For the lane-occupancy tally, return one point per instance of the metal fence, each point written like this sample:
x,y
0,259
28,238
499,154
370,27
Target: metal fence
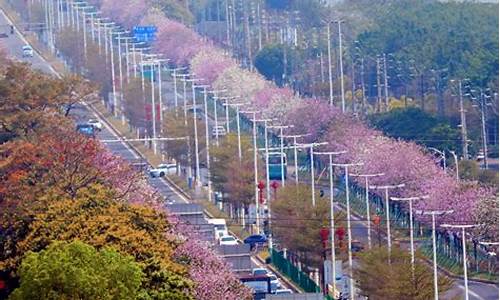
x,y
293,273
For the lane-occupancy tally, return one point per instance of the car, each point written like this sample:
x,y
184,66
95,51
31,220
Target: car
x,y
480,156
96,123
4,35
283,291
357,246
259,272
255,239
27,51
162,170
227,240
218,131
275,284
86,129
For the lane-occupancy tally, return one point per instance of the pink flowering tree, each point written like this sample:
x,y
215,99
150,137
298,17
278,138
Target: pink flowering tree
x,y
212,277
126,12
239,82
177,42
209,63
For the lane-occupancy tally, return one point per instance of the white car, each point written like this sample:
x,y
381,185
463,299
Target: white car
x,y
219,131
228,240
163,169
96,123
27,51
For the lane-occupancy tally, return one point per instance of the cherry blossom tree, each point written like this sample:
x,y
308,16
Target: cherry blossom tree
x,y
209,63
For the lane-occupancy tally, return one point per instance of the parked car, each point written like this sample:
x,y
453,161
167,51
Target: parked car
x,y
218,131
96,123
162,170
228,240
255,239
259,272
27,51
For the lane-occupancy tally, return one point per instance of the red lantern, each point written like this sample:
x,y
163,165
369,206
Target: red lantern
x,y
340,233
275,185
324,234
376,220
261,185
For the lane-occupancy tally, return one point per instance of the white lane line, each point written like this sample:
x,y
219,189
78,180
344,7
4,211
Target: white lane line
x,y
471,292
18,33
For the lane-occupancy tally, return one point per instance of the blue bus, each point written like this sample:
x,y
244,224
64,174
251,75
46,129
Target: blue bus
x,y
275,160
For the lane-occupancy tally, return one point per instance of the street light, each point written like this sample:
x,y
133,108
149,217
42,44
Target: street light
x,y
311,149
349,232
433,214
294,137
332,215
386,188
215,97
367,202
256,178
282,161
464,252
410,202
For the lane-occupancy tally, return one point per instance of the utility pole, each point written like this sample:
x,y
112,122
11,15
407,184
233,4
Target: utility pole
x,y
482,99
379,90
349,232
463,123
330,75
363,91
386,87
353,87
341,68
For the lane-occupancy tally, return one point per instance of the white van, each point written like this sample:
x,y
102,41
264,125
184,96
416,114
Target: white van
x,y
220,227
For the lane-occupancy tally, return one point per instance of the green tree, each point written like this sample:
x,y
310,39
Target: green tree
x,y
270,62
297,223
176,125
413,124
232,177
78,271
379,279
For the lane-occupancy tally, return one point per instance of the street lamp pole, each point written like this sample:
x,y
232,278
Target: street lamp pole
x,y
339,22
464,252
332,215
256,178
215,97
238,130
282,161
311,149
330,75
410,202
367,201
386,188
349,232
294,137
207,141
433,214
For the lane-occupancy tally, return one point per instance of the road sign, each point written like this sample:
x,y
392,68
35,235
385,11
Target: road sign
x,y
145,33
